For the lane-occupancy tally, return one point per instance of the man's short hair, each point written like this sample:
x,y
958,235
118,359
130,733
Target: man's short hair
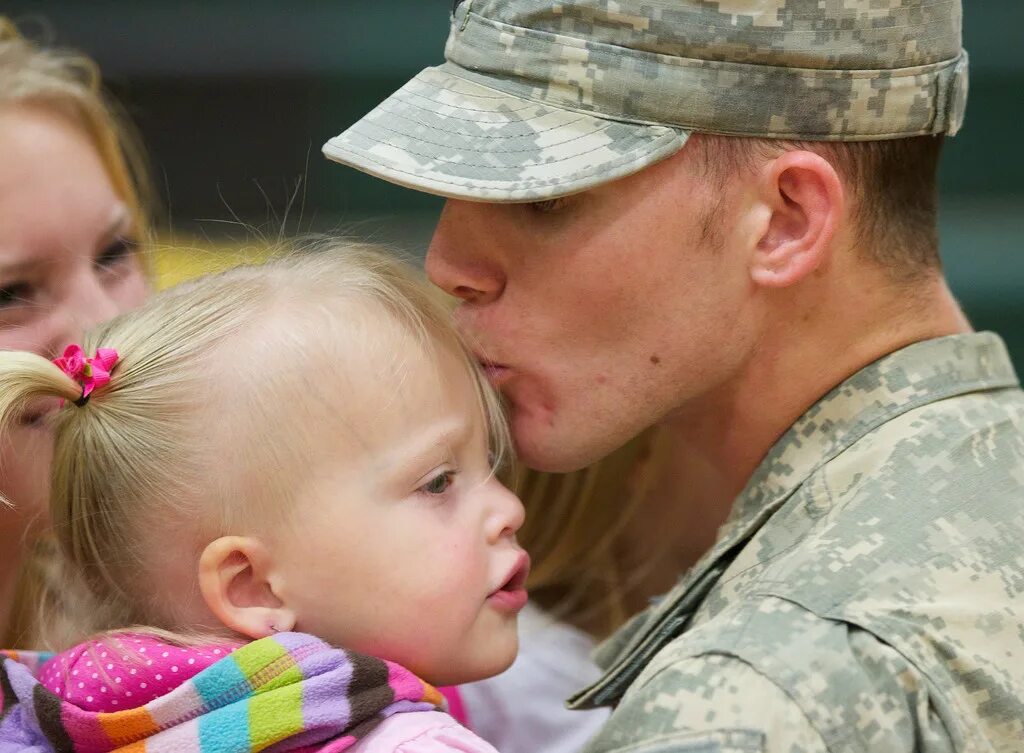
x,y
893,184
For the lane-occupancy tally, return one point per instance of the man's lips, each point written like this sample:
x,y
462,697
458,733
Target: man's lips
x,y
497,373
511,595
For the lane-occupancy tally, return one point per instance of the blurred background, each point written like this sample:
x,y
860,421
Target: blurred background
x,y
234,99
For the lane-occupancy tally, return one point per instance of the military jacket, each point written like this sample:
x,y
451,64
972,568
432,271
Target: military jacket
x,y
867,592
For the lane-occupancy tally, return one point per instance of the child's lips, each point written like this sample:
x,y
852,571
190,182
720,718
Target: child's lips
x,y
511,596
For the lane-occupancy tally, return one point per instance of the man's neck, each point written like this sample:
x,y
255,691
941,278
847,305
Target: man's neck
x,y
732,428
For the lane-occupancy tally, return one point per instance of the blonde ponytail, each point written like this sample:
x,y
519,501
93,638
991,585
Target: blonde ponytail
x,y
27,378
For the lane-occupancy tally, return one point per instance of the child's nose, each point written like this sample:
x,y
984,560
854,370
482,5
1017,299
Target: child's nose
x,y
507,515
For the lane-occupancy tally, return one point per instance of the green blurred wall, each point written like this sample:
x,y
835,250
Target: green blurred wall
x,y
234,99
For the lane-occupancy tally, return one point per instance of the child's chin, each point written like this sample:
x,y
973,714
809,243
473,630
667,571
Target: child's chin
x,y
480,668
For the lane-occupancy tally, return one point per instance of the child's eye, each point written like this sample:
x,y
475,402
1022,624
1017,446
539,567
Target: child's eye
x,y
438,484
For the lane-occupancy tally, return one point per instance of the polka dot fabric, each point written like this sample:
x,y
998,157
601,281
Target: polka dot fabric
x,y
125,671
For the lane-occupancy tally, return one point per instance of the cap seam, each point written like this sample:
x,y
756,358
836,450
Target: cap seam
x,y
638,122
680,61
606,125
477,164
502,95
537,182
809,136
532,104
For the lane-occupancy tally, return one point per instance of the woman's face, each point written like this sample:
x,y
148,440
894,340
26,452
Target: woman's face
x,y
67,240
67,262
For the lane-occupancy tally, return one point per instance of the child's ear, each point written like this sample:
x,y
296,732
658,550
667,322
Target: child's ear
x,y
235,580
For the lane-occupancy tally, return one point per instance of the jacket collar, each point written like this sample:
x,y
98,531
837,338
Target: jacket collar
x,y
914,376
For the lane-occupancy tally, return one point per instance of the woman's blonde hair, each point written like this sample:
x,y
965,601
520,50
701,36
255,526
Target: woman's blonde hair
x,y
260,345
584,566
69,84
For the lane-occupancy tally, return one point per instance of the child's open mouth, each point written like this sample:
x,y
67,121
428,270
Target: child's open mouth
x,y
511,595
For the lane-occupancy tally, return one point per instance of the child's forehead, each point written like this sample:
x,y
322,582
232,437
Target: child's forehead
x,y
333,400
366,368
421,405
407,378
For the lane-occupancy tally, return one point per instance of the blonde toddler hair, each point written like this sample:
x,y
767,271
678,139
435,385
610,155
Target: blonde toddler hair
x,y
138,451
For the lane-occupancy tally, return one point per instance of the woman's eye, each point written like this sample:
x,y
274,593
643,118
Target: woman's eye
x,y
439,484
15,294
116,253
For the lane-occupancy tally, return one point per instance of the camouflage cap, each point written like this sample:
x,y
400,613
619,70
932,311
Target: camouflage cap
x,y
544,98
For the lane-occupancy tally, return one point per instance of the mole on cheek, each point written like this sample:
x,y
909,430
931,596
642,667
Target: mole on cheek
x,y
655,360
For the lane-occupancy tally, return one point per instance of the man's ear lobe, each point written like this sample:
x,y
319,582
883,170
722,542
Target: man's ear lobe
x,y
805,196
234,579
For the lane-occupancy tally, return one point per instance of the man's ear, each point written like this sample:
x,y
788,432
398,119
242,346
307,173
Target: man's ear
x,y
805,200
236,582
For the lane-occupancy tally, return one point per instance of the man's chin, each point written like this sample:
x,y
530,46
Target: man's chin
x,y
543,449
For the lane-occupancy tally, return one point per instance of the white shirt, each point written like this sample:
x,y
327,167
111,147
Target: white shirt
x,y
523,709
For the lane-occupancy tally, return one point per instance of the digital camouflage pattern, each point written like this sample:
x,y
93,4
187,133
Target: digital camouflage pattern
x,y
867,592
543,98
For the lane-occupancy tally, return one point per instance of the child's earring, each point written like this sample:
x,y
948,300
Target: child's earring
x,y
280,622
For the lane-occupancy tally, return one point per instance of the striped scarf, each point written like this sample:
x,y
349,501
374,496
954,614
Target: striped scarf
x,y
288,692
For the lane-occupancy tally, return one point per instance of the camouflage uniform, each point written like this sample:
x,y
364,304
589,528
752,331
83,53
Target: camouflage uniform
x,y
867,593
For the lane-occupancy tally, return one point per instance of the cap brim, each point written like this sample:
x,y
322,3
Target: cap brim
x,y
446,135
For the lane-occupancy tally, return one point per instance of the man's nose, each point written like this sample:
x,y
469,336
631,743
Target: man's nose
x,y
462,258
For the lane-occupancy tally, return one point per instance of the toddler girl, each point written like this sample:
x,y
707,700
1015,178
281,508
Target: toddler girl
x,y
277,486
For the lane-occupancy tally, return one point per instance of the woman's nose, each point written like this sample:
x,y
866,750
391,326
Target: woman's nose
x,y
86,304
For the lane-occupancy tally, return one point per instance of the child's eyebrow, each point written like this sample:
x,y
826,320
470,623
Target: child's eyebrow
x,y
430,445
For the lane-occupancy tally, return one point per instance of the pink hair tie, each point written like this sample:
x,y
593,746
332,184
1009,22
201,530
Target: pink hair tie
x,y
89,372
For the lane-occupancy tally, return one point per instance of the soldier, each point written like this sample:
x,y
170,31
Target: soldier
x,y
720,215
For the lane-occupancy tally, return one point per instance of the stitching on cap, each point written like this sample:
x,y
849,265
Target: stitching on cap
x,y
396,113
408,89
625,159
417,79
817,135
698,64
435,158
676,60
548,111
472,136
